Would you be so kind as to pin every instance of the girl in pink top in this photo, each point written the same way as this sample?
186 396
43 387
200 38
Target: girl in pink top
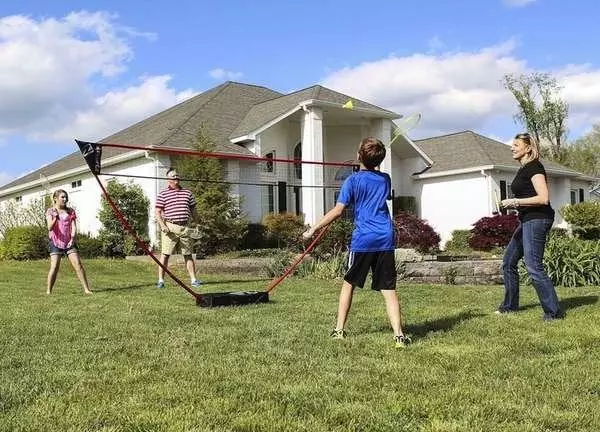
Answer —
62 229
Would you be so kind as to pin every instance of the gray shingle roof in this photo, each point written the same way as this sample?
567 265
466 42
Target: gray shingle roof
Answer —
267 111
468 150
219 110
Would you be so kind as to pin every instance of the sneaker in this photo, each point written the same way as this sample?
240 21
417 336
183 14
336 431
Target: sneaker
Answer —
401 341
197 283
338 334
160 284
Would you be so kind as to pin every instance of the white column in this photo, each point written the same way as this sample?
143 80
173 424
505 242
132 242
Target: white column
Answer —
312 174
382 130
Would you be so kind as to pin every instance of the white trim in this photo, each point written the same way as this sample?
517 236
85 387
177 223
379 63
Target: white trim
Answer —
500 167
303 106
252 135
454 172
421 152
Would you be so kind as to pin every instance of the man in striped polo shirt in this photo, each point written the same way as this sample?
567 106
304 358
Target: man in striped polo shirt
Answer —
175 208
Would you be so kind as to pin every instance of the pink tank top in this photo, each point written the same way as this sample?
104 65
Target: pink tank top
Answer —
61 231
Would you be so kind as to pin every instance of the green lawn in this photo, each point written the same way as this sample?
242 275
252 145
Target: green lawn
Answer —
134 358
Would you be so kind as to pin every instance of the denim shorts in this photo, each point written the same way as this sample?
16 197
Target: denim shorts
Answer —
54 250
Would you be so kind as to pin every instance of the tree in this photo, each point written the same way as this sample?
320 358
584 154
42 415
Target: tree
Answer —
541 109
14 214
221 222
134 205
583 155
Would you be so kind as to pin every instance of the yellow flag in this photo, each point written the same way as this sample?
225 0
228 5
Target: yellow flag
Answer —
348 105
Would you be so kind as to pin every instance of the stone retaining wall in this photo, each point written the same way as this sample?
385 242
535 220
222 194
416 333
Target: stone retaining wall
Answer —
459 272
483 272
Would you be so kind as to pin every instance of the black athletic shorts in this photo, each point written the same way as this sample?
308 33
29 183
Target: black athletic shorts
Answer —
382 264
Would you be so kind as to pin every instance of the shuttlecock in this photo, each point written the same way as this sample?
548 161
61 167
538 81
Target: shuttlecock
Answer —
348 105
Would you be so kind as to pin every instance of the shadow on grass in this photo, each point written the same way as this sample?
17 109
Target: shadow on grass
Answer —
567 303
122 288
230 281
444 324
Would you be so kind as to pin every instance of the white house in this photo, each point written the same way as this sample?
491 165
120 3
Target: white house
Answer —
452 177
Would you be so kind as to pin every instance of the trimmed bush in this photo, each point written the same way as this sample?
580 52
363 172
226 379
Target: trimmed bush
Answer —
459 242
286 229
25 243
584 219
491 232
89 247
412 232
256 238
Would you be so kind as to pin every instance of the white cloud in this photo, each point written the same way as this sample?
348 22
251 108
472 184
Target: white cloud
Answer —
463 90
453 90
223 74
118 109
48 71
517 3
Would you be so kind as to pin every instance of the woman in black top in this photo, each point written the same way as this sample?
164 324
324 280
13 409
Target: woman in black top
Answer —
536 216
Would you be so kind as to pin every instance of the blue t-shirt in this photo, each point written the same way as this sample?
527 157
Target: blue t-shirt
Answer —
368 191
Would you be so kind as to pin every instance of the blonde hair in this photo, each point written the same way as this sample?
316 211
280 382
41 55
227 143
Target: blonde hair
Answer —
532 143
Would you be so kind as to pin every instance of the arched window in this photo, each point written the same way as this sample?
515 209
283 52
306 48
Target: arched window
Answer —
297 165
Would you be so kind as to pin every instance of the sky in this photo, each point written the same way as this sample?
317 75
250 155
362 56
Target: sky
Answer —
86 69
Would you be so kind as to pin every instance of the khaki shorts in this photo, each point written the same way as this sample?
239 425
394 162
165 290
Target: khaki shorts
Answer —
174 238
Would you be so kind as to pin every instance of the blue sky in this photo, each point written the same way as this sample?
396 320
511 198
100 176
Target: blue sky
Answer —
86 69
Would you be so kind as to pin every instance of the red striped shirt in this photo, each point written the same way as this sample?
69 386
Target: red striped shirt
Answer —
176 204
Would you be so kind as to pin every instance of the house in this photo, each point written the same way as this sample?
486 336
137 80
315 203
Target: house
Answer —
470 171
452 177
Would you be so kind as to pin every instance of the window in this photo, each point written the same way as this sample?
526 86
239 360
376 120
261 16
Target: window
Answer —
75 184
348 210
19 198
573 196
271 198
270 166
577 196
505 190
298 165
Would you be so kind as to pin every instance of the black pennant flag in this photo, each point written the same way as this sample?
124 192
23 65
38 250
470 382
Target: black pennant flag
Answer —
92 153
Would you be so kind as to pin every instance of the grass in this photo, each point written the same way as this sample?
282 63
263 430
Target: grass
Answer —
134 358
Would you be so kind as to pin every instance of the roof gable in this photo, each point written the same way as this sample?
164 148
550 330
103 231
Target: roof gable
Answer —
467 149
265 112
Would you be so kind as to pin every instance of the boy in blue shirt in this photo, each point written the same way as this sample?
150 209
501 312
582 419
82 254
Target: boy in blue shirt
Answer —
372 246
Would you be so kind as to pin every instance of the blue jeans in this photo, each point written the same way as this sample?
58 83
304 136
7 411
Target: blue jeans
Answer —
528 242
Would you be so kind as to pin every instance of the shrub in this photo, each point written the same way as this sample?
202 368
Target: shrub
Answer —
570 262
277 265
491 232
256 238
336 240
584 219
134 205
333 267
14 214
25 242
412 232
459 242
89 247
286 229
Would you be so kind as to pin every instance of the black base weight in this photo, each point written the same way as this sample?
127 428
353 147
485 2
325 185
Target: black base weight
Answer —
236 298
